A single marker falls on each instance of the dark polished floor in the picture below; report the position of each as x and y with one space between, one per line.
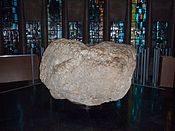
33 109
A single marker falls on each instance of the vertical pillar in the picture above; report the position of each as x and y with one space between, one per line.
22 32
44 24
85 23
65 19
1 33
172 28
106 31
1 36
128 23
149 24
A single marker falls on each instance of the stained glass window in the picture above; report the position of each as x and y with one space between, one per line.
33 36
160 34
10 26
138 24
75 30
117 32
54 10
96 10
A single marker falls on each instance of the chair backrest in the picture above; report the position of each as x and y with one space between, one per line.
167 74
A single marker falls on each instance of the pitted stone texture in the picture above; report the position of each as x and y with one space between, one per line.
87 75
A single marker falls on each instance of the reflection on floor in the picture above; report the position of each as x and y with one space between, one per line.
33 109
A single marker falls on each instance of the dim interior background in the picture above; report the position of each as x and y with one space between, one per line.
27 27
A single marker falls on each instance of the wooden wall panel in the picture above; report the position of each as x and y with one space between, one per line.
17 68
167 72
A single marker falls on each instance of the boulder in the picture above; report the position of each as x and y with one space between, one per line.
88 75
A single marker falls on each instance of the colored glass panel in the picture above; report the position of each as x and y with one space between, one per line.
75 30
10 26
96 10
33 35
138 25
160 34
54 10
117 32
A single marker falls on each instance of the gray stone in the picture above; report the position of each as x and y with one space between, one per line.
87 75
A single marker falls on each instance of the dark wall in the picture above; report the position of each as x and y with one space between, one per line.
75 10
161 9
118 10
33 9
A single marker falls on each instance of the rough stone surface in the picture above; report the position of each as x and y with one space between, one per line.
87 75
